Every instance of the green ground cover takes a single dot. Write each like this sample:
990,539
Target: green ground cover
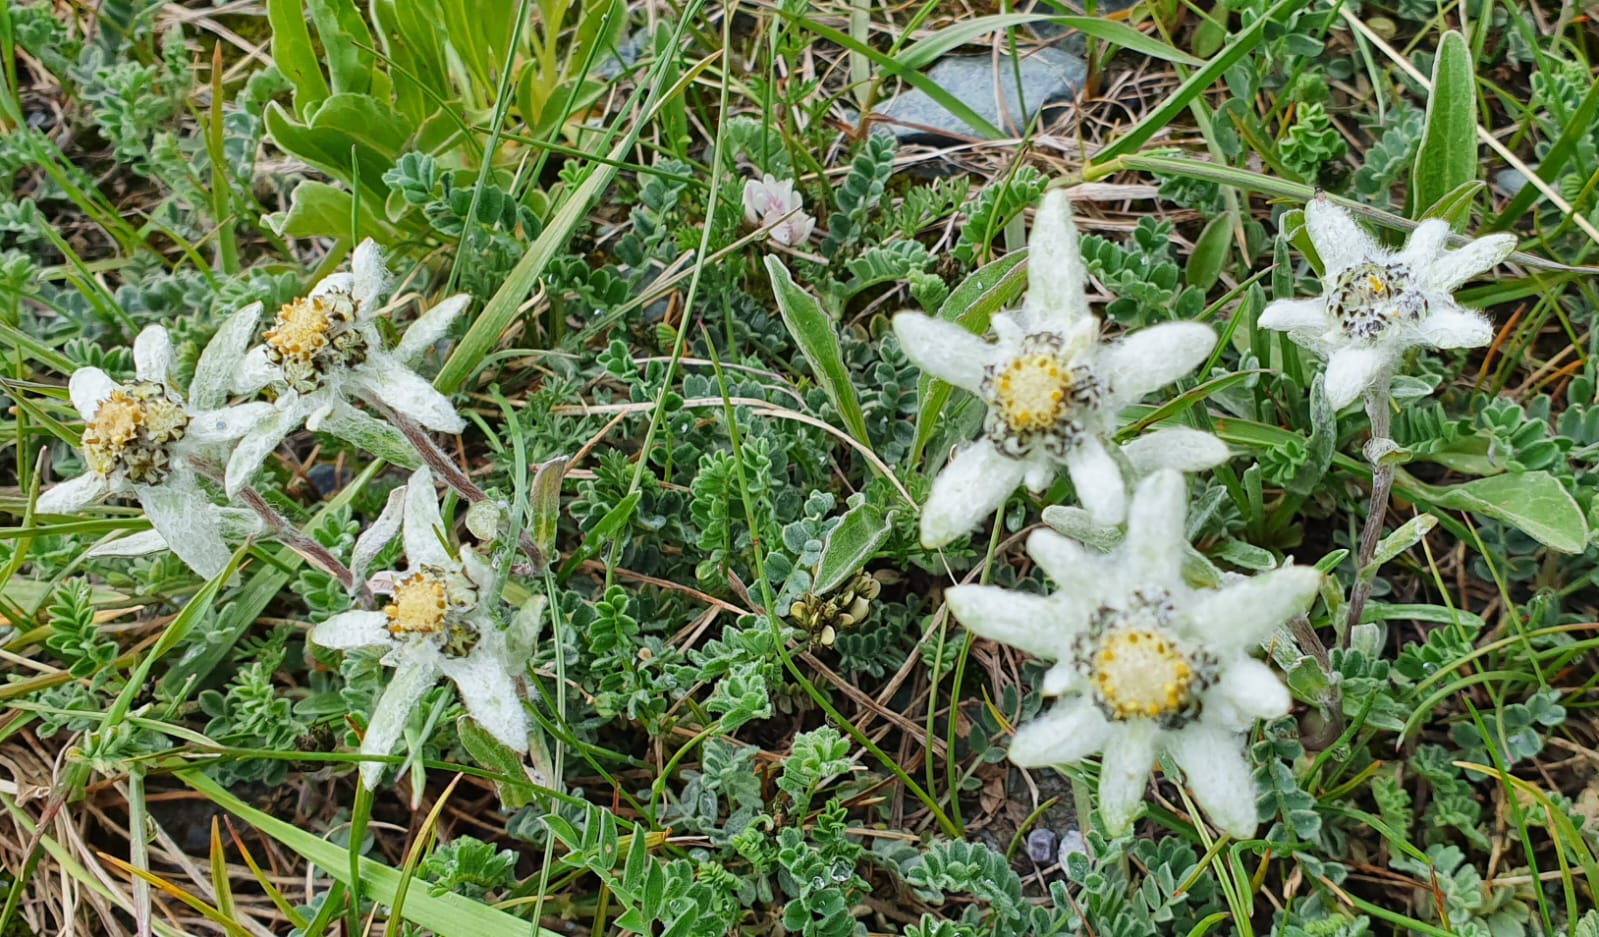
515,467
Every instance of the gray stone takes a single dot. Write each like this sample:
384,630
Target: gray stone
1041,845
1048,75
1072,842
1511,180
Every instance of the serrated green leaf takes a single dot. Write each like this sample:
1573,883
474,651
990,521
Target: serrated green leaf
813,331
1447,156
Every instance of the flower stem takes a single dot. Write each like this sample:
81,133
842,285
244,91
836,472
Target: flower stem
1382,483
439,462
294,539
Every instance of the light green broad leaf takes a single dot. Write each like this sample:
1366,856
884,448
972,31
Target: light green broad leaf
850,545
1533,502
1447,156
447,914
813,331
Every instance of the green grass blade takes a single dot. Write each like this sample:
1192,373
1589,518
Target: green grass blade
448,915
911,76
1118,33
1236,48
501,310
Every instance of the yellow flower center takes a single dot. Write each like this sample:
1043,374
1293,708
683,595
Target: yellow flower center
133,430
419,605
1038,398
313,336
1140,673
1031,390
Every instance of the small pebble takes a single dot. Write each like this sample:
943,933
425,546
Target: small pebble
1070,843
1041,845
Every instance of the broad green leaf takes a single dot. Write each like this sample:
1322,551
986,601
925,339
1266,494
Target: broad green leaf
1447,156
1210,253
294,54
1455,206
1196,84
1533,502
512,785
346,132
415,49
813,331
446,914
317,209
544,503
986,291
856,538
346,42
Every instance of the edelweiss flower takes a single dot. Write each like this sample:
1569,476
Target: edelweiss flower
141,439
1147,664
1376,304
324,348
1053,391
770,201
438,621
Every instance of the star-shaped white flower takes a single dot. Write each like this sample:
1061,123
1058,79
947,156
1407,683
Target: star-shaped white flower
1376,304
1053,391
439,621
1145,663
142,439
769,201
325,348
